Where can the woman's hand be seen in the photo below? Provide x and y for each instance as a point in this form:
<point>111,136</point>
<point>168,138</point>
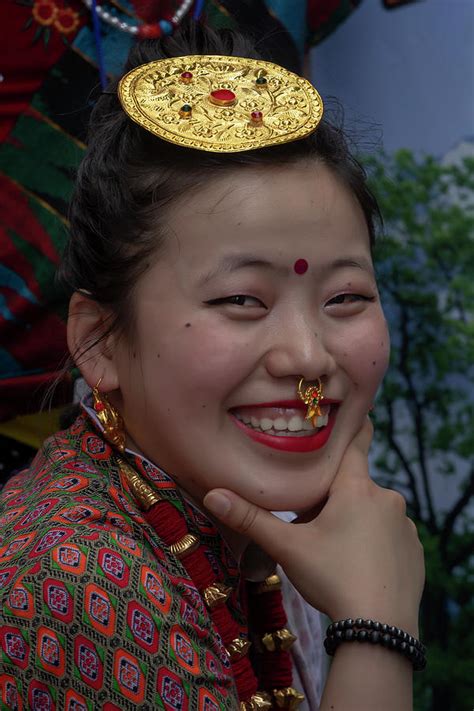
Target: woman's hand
<point>359,556</point>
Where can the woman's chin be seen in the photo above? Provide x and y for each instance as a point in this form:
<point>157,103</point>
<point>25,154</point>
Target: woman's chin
<point>302,506</point>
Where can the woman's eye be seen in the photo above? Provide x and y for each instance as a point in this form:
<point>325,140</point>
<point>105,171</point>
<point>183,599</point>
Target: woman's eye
<point>238,300</point>
<point>349,299</point>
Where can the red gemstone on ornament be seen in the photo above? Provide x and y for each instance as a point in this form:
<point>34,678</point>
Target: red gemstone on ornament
<point>186,77</point>
<point>99,406</point>
<point>149,31</point>
<point>256,116</point>
<point>222,97</point>
<point>301,266</point>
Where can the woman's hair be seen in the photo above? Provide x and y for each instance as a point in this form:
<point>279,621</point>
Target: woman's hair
<point>129,179</point>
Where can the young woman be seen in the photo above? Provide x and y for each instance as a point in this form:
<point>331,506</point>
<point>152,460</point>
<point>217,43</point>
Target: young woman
<point>225,315</point>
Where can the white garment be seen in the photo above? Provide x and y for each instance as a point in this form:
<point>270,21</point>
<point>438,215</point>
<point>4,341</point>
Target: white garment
<point>308,654</point>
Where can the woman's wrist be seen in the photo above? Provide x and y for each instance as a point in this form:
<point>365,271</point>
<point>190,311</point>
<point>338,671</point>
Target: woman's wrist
<point>374,632</point>
<point>387,680</point>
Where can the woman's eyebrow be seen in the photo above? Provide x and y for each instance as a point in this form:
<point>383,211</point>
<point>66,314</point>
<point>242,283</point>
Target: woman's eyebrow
<point>233,262</point>
<point>359,262</point>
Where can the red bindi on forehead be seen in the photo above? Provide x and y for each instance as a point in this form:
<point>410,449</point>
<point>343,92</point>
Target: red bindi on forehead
<point>300,266</point>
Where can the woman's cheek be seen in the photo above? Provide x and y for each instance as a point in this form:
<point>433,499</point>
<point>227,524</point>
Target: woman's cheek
<point>210,359</point>
<point>373,356</point>
<point>364,355</point>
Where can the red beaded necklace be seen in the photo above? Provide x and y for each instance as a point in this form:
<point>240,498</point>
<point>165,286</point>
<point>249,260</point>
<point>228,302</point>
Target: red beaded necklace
<point>273,639</point>
<point>265,604</point>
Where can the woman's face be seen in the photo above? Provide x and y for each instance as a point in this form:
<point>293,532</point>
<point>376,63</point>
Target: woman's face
<point>226,327</point>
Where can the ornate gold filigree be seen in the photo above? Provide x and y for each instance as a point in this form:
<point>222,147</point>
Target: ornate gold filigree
<point>261,701</point>
<point>311,397</point>
<point>143,493</point>
<point>280,639</point>
<point>110,419</point>
<point>185,545</point>
<point>238,647</point>
<point>287,698</point>
<point>215,594</point>
<point>153,95</point>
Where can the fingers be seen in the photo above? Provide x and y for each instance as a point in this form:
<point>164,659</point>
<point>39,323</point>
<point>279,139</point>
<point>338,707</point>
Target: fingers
<point>258,524</point>
<point>355,464</point>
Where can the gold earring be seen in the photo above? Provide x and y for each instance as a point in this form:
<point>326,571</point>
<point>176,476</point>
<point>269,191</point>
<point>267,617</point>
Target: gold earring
<point>110,419</point>
<point>311,396</point>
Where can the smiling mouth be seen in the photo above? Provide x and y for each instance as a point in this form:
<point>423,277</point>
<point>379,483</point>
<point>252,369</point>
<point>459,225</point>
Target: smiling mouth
<point>284,422</point>
<point>284,427</point>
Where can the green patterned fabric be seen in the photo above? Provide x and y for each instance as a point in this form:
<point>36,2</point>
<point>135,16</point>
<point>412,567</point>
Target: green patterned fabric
<point>96,613</point>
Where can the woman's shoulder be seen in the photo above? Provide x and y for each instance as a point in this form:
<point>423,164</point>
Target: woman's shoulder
<point>87,596</point>
<point>71,511</point>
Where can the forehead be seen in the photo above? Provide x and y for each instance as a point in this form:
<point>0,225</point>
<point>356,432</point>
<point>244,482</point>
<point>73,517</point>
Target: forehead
<point>283,208</point>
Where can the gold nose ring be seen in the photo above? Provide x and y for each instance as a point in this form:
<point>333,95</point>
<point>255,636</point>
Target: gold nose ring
<point>311,396</point>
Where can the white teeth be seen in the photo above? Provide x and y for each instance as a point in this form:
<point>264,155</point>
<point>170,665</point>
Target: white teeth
<point>282,425</point>
<point>295,423</point>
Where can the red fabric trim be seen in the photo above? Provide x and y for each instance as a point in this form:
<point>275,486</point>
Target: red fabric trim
<point>171,527</point>
<point>267,609</point>
<point>24,62</point>
<point>24,395</point>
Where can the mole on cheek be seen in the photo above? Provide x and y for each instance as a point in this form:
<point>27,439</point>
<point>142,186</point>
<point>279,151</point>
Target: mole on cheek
<point>158,355</point>
<point>187,325</point>
<point>374,362</point>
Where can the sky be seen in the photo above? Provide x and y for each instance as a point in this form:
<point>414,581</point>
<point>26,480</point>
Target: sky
<point>409,71</point>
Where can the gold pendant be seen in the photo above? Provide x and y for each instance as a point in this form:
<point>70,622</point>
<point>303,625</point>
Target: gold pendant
<point>215,594</point>
<point>287,698</point>
<point>311,396</point>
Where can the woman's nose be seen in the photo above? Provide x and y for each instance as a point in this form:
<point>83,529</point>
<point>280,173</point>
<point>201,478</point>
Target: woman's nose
<point>299,351</point>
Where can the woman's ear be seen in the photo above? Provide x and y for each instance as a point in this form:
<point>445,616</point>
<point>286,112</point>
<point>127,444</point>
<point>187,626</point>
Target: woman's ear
<point>91,349</point>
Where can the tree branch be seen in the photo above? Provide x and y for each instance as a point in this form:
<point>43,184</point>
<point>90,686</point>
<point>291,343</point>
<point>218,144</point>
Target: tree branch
<point>453,514</point>
<point>418,416</point>
<point>404,462</point>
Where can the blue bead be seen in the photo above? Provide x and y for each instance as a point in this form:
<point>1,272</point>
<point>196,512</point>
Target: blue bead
<point>166,27</point>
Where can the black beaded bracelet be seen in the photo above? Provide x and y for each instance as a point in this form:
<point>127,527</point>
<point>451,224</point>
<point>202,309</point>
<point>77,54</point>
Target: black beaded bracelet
<point>391,637</point>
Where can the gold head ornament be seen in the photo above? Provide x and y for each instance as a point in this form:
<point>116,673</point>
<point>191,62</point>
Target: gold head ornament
<point>311,396</point>
<point>220,104</point>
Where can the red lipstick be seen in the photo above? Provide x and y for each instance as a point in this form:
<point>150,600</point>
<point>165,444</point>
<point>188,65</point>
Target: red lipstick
<point>308,443</point>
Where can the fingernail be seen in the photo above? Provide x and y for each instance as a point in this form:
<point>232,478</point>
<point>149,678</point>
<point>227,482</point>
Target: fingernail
<point>217,503</point>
